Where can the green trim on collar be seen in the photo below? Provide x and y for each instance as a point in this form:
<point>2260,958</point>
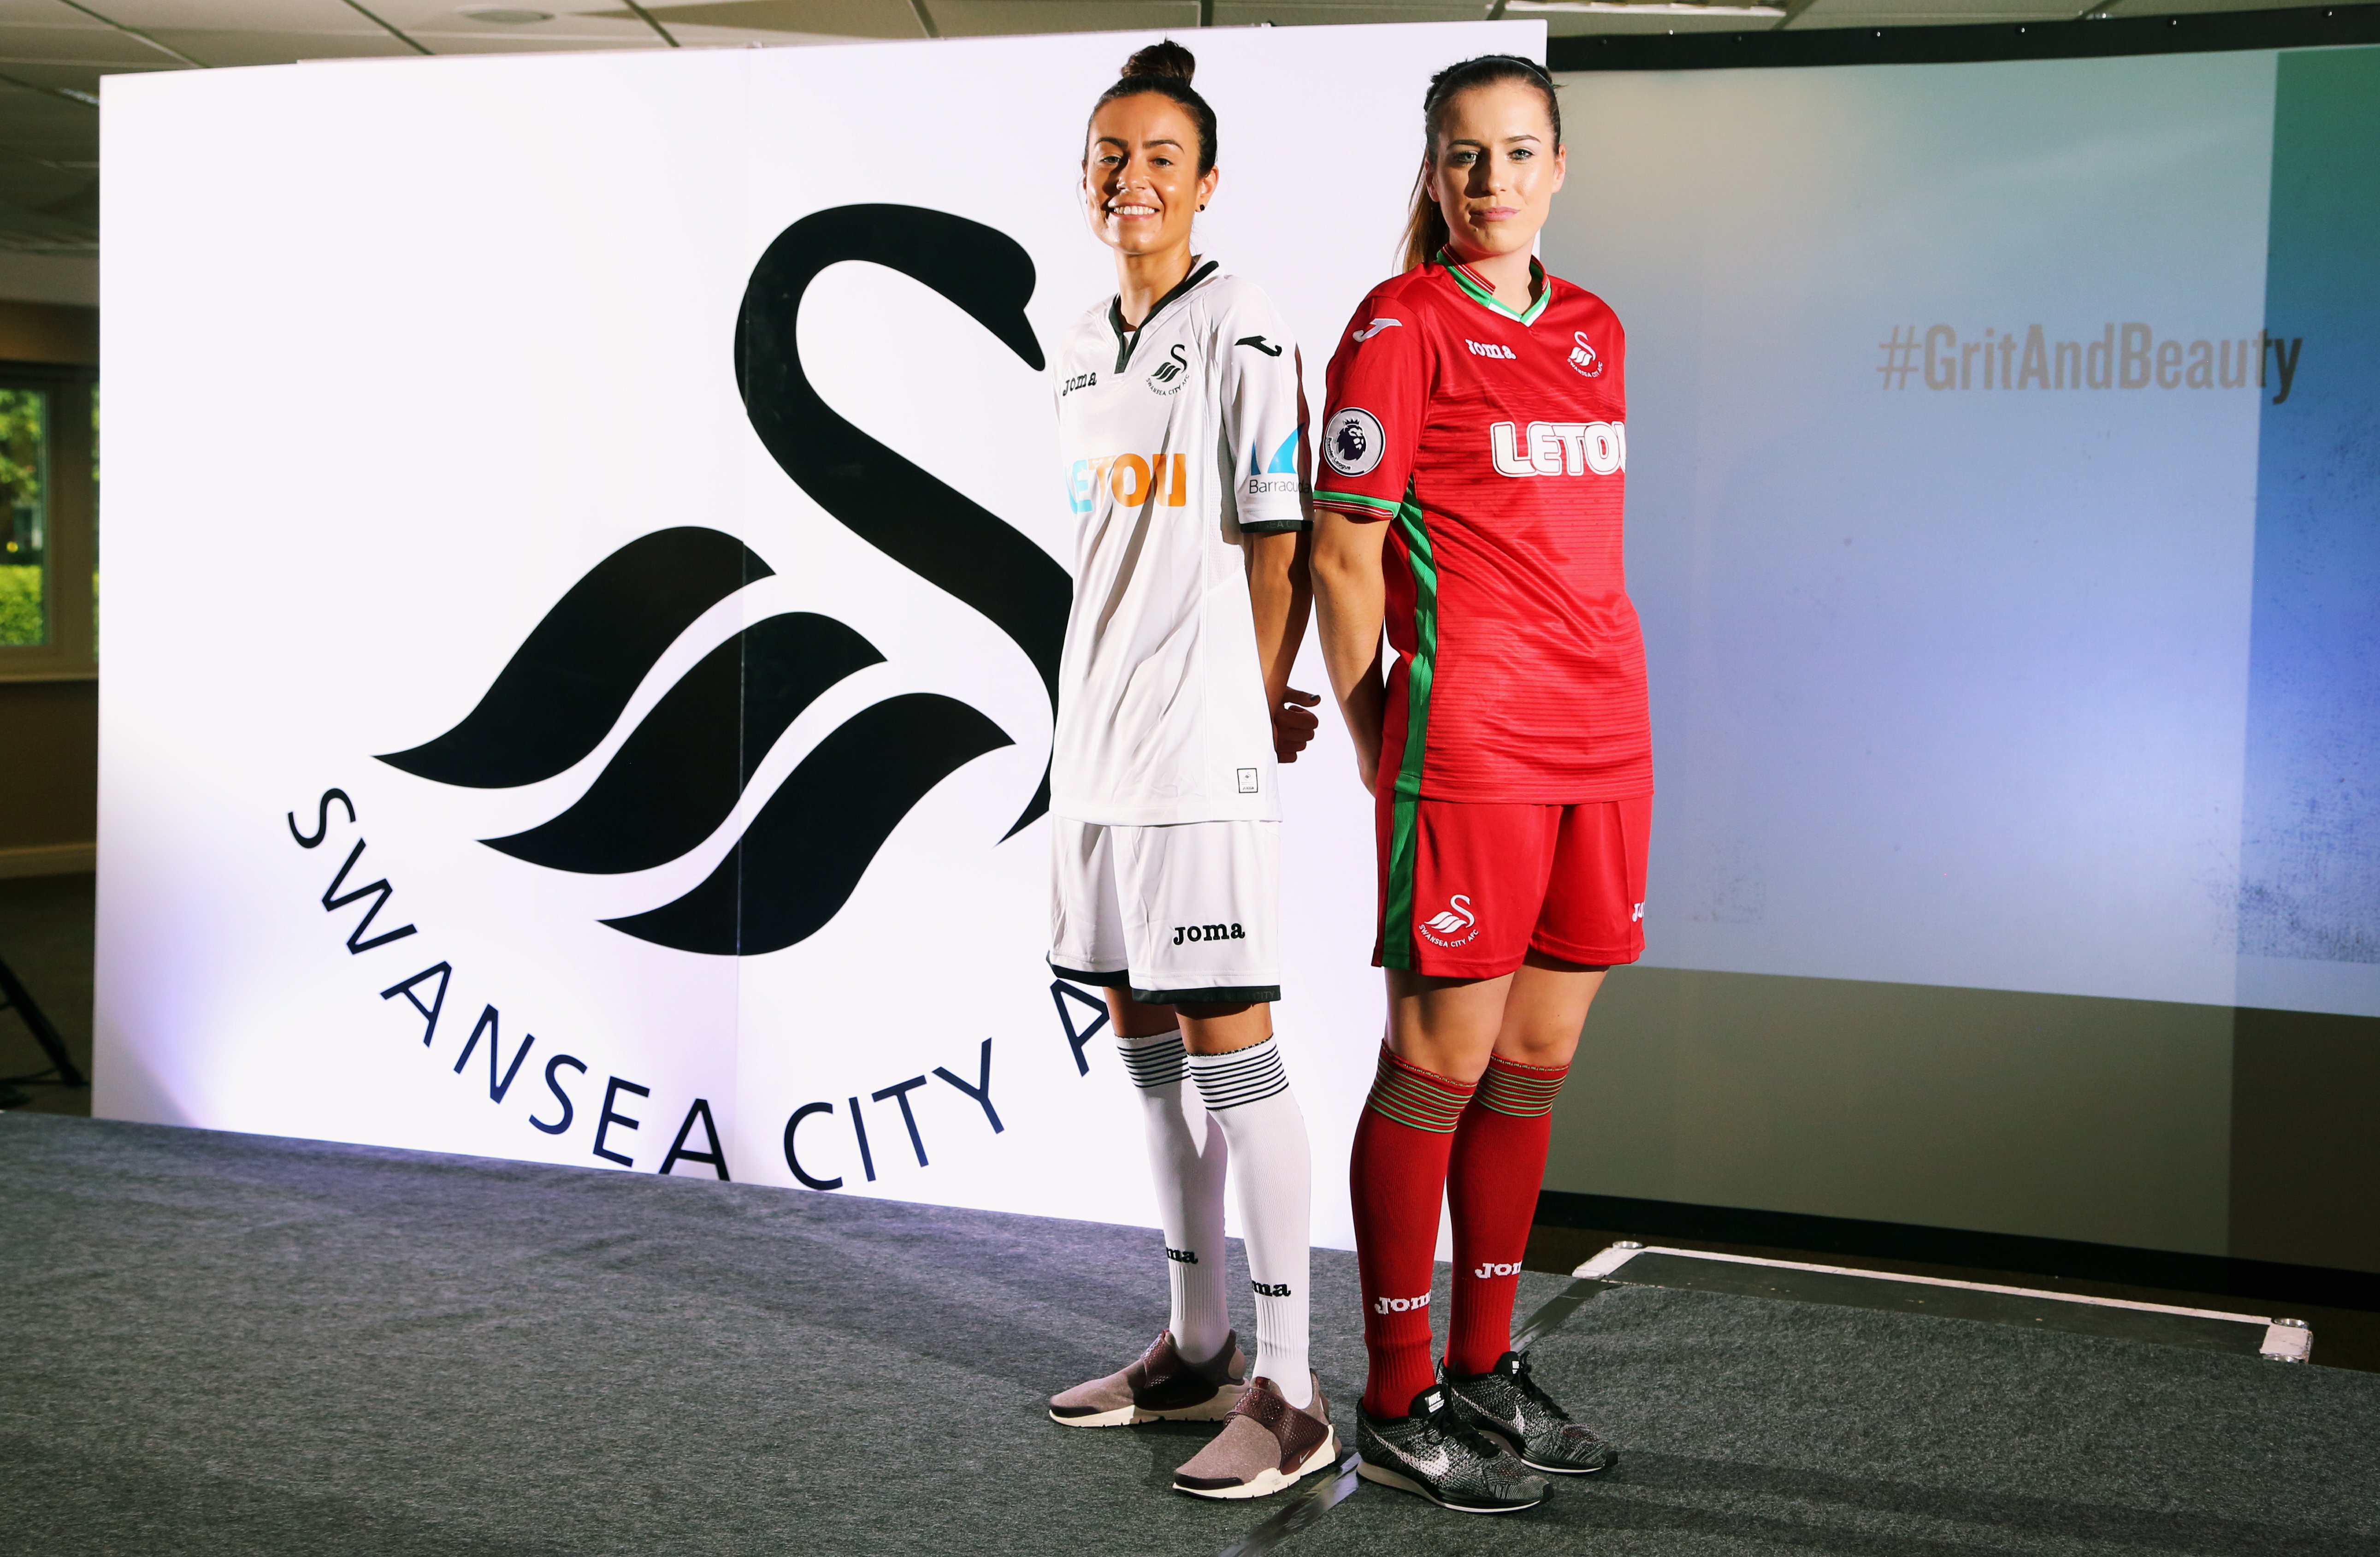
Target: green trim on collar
<point>1480,292</point>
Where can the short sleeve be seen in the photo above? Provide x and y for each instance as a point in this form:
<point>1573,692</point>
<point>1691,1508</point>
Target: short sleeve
<point>1264,415</point>
<point>1371,426</point>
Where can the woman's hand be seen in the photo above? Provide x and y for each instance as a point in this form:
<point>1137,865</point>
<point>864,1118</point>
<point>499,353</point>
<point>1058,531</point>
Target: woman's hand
<point>1292,727</point>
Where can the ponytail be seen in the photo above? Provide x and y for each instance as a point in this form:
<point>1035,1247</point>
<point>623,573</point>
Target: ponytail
<point>1425,230</point>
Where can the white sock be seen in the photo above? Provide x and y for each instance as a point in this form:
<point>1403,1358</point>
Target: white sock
<point>1187,1156</point>
<point>1248,1091</point>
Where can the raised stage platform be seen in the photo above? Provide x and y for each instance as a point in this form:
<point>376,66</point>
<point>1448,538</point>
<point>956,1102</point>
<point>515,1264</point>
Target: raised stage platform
<point>237,1344</point>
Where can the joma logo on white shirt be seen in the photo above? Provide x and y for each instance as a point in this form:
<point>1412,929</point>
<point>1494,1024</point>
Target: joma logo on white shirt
<point>1558,448</point>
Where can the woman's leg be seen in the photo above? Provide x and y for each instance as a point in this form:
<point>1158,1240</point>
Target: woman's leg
<point>1441,1032</point>
<point>1187,1157</point>
<point>1445,1036</point>
<point>1499,1161</point>
<point>1237,1067</point>
<point>1590,918</point>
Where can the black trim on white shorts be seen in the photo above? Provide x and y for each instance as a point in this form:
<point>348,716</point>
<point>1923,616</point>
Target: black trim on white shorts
<point>1119,979</point>
<point>1245,994</point>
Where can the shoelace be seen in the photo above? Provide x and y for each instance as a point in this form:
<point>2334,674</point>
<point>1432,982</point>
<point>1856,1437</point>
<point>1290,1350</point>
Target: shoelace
<point>1444,1422</point>
<point>1533,1393</point>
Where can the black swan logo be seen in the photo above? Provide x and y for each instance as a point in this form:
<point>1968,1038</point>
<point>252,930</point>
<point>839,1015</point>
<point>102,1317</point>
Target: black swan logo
<point>681,771</point>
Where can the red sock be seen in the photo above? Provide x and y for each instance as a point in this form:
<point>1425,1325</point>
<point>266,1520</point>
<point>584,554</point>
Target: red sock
<point>1397,1178</point>
<point>1491,1188</point>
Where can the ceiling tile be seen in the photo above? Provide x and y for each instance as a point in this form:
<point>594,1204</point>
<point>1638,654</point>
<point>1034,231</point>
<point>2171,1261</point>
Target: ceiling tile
<point>978,19</point>
<point>220,47</point>
<point>1326,13</point>
<point>27,181</point>
<point>417,17</point>
<point>699,37</point>
<point>238,15</point>
<point>89,45</point>
<point>42,75</point>
<point>843,18</point>
<point>38,124</point>
<point>485,44</point>
<point>42,13</point>
<point>38,232</point>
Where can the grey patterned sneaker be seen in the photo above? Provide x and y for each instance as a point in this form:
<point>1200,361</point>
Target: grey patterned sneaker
<point>1266,1445</point>
<point>1163,1386</point>
<point>1435,1453</point>
<point>1507,1402</point>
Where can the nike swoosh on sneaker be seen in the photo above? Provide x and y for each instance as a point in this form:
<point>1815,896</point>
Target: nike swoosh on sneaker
<point>1437,1463</point>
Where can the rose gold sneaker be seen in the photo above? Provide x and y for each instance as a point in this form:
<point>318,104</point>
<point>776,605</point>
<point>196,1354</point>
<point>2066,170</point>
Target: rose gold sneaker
<point>1266,1444</point>
<point>1163,1386</point>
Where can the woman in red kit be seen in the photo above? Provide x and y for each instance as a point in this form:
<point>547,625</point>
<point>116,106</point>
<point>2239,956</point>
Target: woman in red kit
<point>1469,499</point>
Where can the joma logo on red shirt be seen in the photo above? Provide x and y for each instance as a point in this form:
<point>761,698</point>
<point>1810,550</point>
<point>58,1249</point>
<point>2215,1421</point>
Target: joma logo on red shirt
<point>1558,448</point>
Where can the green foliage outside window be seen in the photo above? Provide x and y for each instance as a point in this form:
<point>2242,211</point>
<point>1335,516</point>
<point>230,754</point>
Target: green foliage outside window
<point>23,519</point>
<point>21,605</point>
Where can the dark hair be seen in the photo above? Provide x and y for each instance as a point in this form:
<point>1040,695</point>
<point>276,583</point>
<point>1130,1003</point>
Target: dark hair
<point>1165,68</point>
<point>1426,231</point>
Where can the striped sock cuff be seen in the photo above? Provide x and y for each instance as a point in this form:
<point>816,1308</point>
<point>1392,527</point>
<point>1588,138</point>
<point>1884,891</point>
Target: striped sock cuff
<point>1153,1061</point>
<point>1523,1091</point>
<point>1420,1099</point>
<point>1243,1075</point>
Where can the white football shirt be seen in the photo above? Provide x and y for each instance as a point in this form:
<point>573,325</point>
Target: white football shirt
<point>1176,439</point>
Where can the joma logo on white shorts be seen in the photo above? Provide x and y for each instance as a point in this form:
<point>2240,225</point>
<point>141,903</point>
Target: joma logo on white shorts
<point>1492,1269</point>
<point>1399,1305</point>
<point>1558,448</point>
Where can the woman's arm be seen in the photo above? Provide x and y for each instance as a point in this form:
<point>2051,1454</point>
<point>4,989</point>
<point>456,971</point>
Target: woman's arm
<point>1350,601</point>
<point>1281,590</point>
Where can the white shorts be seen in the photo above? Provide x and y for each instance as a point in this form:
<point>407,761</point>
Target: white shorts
<point>1185,913</point>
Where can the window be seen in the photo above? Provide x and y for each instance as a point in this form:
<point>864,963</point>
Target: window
<point>24,456</point>
<point>48,511</point>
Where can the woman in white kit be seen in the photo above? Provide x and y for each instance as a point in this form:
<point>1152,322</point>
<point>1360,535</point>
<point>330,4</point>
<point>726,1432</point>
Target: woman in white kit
<point>1182,439</point>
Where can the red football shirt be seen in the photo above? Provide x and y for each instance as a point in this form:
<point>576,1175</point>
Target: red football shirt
<point>1495,445</point>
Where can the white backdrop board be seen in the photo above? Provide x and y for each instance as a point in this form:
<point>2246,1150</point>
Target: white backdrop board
<point>429,484</point>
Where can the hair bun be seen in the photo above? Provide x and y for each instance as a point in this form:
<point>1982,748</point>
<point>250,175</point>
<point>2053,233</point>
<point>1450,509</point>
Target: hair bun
<point>1166,58</point>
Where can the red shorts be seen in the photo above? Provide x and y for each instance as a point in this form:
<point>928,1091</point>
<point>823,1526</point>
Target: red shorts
<point>1468,888</point>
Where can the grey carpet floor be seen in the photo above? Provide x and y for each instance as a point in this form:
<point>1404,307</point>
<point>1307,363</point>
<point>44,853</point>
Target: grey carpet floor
<point>232,1344</point>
